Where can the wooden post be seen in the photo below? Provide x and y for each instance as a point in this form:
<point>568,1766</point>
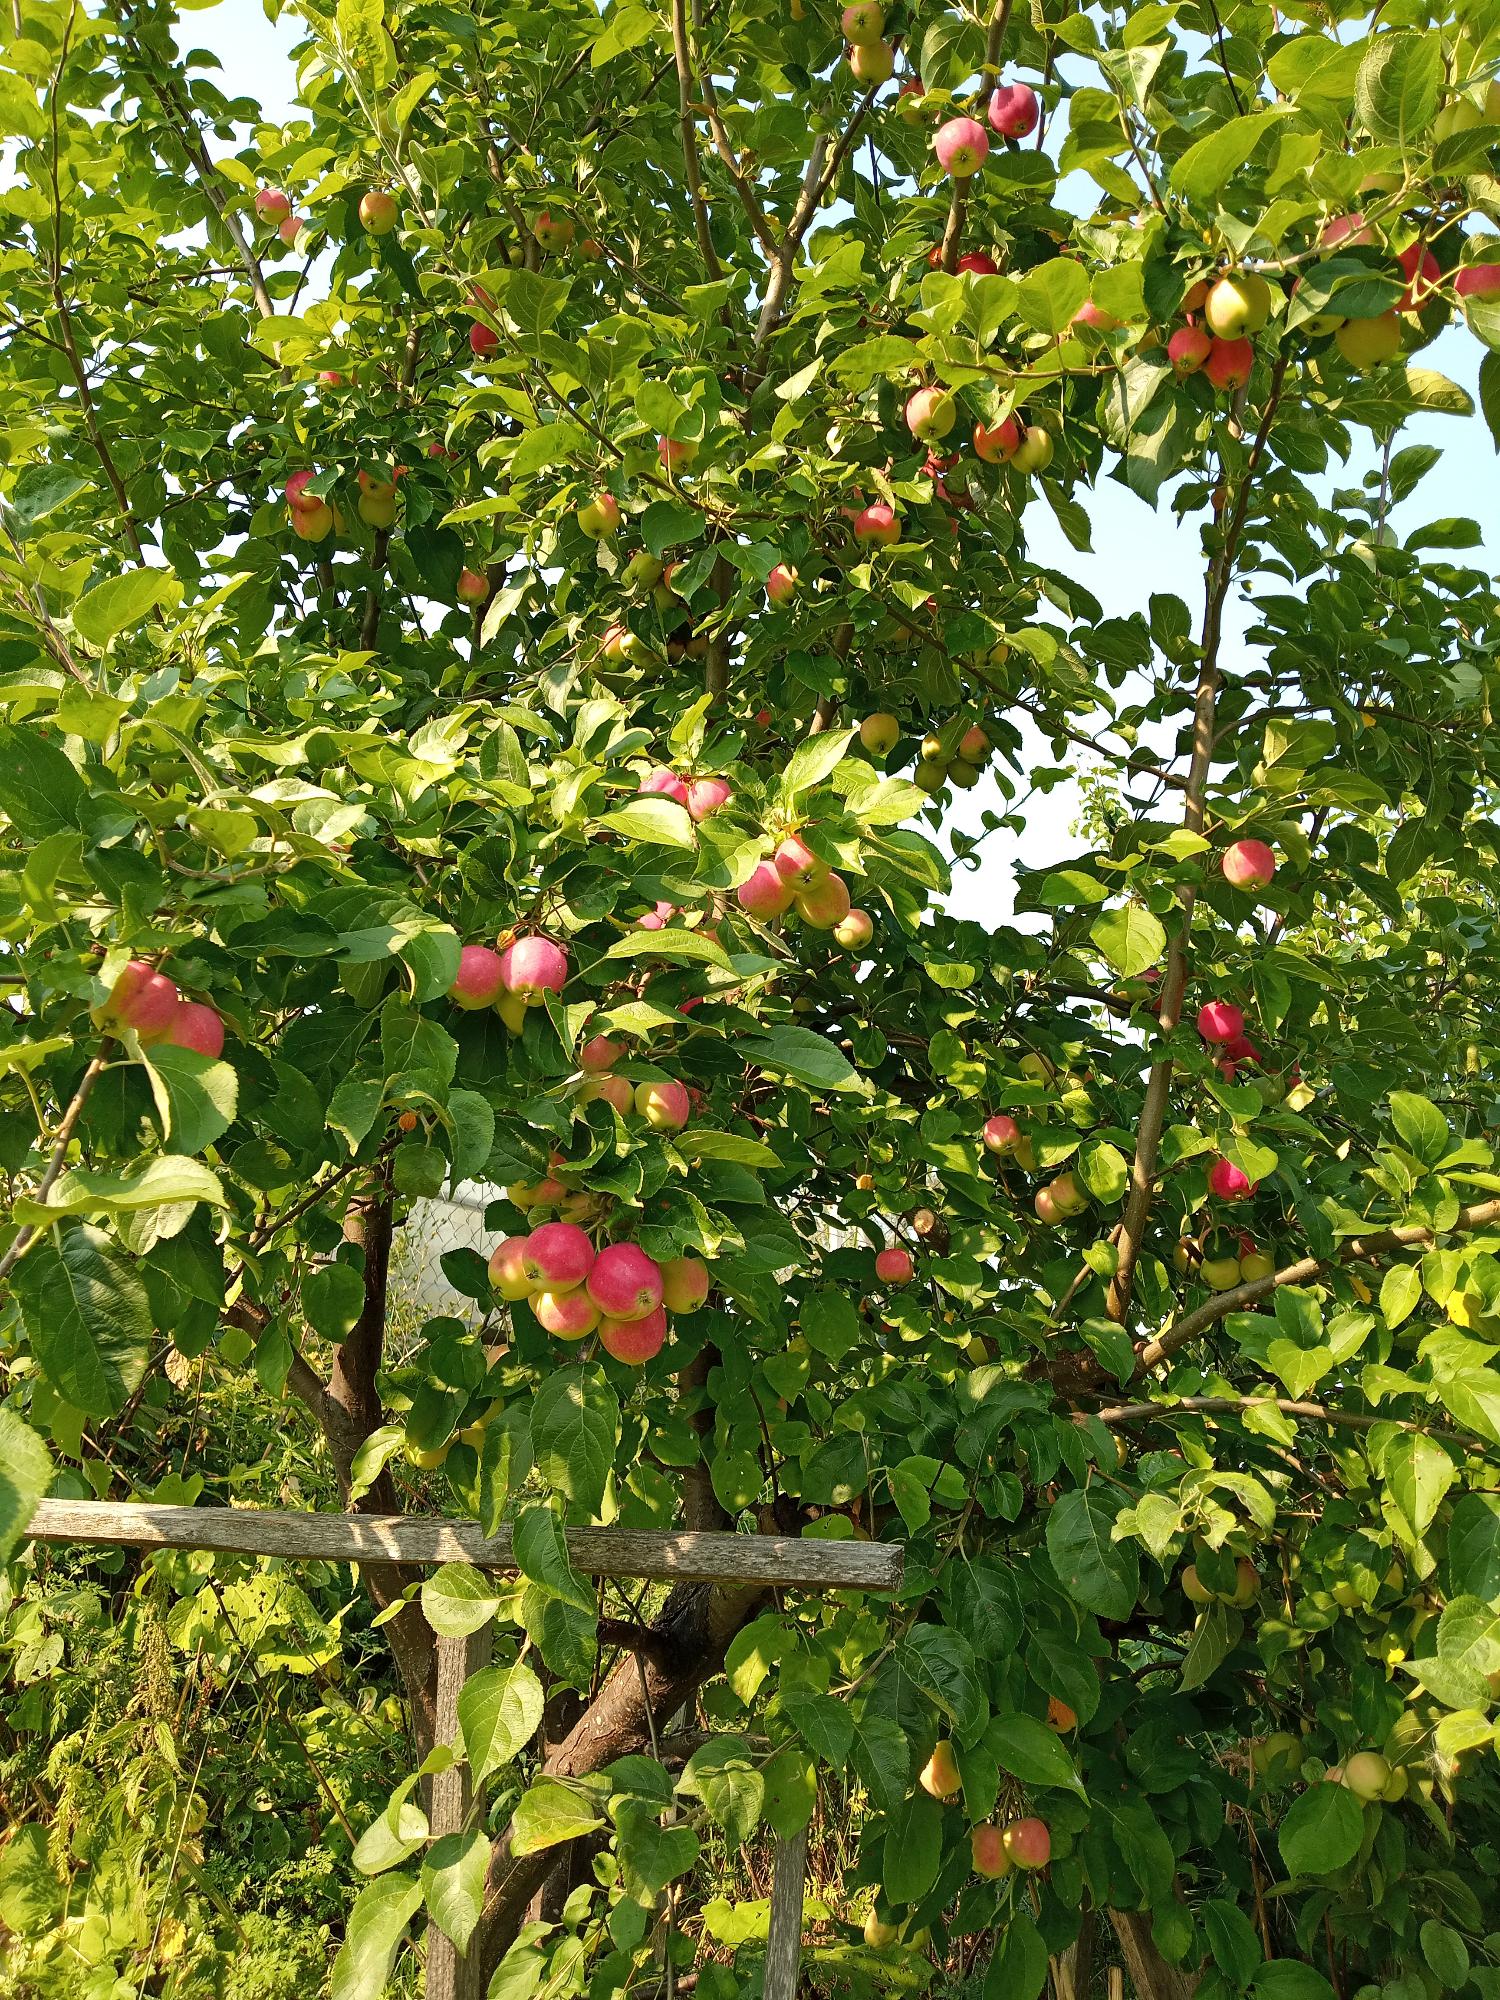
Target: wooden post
<point>450,1797</point>
<point>784,1938</point>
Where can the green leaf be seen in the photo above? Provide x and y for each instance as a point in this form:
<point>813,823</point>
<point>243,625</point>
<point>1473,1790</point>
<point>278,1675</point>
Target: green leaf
<point>541,1552</point>
<point>333,1297</point>
<point>1321,1832</point>
<point>1232,1940</point>
<point>1097,1572</point>
<point>453,1873</point>
<point>812,760</point>
<point>1051,293</point>
<point>723,1773</point>
<point>1418,1473</point>
<point>803,1055</point>
<point>656,819</point>
<point>458,1599</point>
<point>168,1180</point>
<point>394,1835</point>
<point>1290,1979</point>
<point>121,602</point>
<point>377,1923</point>
<point>733,1146</point>
<point>25,1474</point>
<point>30,1892</point>
<point>87,1317</point>
<point>689,945</point>
<point>40,791</point>
<point>1030,1751</point>
<point>913,1848</point>
<point>499,1711</point>
<point>196,1095</point>
<point>1446,1953</point>
<point>1400,1293</point>
<point>550,1813</point>
<point>1423,1128</point>
<point>1473,1560</point>
<point>1399,83</point>
<point>575,1422</point>
<point>942,1664</point>
<point>1210,163</point>
<point>1213,1639</point>
<point>1130,938</point>
<point>1018,1967</point>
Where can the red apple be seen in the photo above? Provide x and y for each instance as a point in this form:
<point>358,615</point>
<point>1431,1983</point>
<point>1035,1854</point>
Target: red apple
<point>1002,443</point>
<point>894,1266</point>
<point>272,206</point>
<point>378,212</point>
<point>196,1026</point>
<point>665,1107</point>
<point>1220,1021</point>
<point>472,587</point>
<point>781,584</point>
<point>532,967</point>
<point>483,340</point>
<point>635,1341</point>
<point>766,894</point>
<point>1248,864</point>
<point>1228,1183</point>
<point>624,1282</point>
<point>480,979</point>
<point>1422,272</point>
<point>1229,363</point>
<point>1028,1843</point>
<point>141,998</point>
<point>962,147</point>
<point>558,1256</point>
<point>877,523</point>
<point>1014,109</point>
<point>1189,348</point>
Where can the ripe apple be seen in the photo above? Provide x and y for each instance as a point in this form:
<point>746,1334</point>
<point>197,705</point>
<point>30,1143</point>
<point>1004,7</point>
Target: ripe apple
<point>507,1273</point>
<point>483,340</point>
<point>974,746</point>
<point>676,454</point>
<point>635,1341</point>
<point>1423,274</point>
<point>666,1107</point>
<point>1480,282</point>
<point>480,979</point>
<point>1248,864</point>
<point>1238,304</point>
<point>1368,343</point>
<point>1014,110</point>
<point>557,1256</point>
<point>872,63</point>
<point>706,796</point>
<point>930,413</point>
<point>939,1775</point>
<point>766,893</point>
<point>472,587</point>
<point>1188,349</point>
<point>1228,1183</point>
<point>1089,314</point>
<point>272,206</point>
<point>797,863</point>
<point>611,1090</point>
<point>863,23</point>
<point>532,967</point>
<point>854,931</point>
<point>599,516</point>
<point>893,1266</point>
<point>195,1025</point>
<point>987,1851</point>
<point>1028,1843</point>
<point>141,998</point>
<point>824,903</point>
<point>1229,363</point>
<point>553,232</point>
<point>571,1315</point>
<point>290,228</point>
<point>962,147</point>
<point>684,1284</point>
<point>879,733</point>
<point>624,1282</point>
<point>1034,452</point>
<point>1001,1134</point>
<point>978,263</point>
<point>995,446</point>
<point>667,783</point>
<point>877,523</point>
<point>1220,1021</point>
<point>781,584</point>
<point>379,212</point>
<point>1350,229</point>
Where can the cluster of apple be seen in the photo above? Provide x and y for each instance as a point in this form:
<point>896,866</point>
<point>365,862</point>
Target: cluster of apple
<point>931,414</point>
<point>314,519</point>
<point>666,1105</point>
<point>617,1292</point>
<point>1246,1586</point>
<point>962,145</point>
<point>794,877</point>
<point>1062,1198</point>
<point>1370,1776</point>
<point>700,797</point>
<point>274,209</point>
<point>937,766</point>
<point>510,981</point>
<point>1020,1843</point>
<point>1223,1264</point>
<point>146,1001</point>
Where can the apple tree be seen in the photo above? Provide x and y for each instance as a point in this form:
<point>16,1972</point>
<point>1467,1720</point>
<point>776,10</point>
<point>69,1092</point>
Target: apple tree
<point>524,586</point>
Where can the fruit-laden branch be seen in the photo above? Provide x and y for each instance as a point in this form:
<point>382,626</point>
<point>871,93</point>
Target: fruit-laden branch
<point>58,1156</point>
<point>636,1702</point>
<point>953,228</point>
<point>1158,1087</point>
<point>1358,1250</point>
<point>1319,1413</point>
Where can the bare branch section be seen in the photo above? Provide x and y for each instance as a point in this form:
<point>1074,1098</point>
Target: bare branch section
<point>994,42</point>
<point>56,1159</point>
<point>690,164</point>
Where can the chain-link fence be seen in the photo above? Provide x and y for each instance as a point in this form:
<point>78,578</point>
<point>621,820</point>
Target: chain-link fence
<point>433,1228</point>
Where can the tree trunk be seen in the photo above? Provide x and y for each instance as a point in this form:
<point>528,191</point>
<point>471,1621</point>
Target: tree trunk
<point>1150,1974</point>
<point>1073,1970</point>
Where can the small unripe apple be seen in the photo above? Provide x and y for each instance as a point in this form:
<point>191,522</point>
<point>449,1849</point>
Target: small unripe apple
<point>553,232</point>
<point>272,206</point>
<point>974,746</point>
<point>1220,1021</point>
<point>930,413</point>
<point>599,516</point>
<point>1028,1843</point>
<point>824,902</point>
<point>1248,864</point>
<point>940,1775</point>
<point>862,23</point>
<point>684,1284</point>
<point>987,1851</point>
<point>962,147</point>
<point>877,523</point>
<point>894,1266</point>
<point>666,1107</point>
<point>1219,1273</point>
<point>1366,1774</point>
<point>1246,1584</point>
<point>781,584</point>
<point>854,931</point>
<point>1229,363</point>
<point>1459,114</point>
<point>1368,343</point>
<point>879,733</point>
<point>1193,1589</point>
<point>872,63</point>
<point>624,1282</point>
<point>472,587</point>
<point>963,774</point>
<point>1256,1264</point>
<point>995,446</point>
<point>1188,349</point>
<point>379,212</point>
<point>879,1936</point>
<point>676,454</point>
<point>635,1341</point>
<point>1237,305</point>
<point>1034,452</point>
<point>1014,110</point>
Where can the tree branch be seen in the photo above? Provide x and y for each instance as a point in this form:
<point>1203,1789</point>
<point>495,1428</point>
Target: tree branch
<point>1359,1420</point>
<point>60,1145</point>
<point>953,228</point>
<point>690,165</point>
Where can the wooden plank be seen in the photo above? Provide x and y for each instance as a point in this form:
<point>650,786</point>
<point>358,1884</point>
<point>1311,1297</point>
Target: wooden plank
<point>449,1799</point>
<point>784,1934</point>
<point>698,1557</point>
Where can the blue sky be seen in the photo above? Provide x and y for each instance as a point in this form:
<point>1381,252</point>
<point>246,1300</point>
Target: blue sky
<point>1138,550</point>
